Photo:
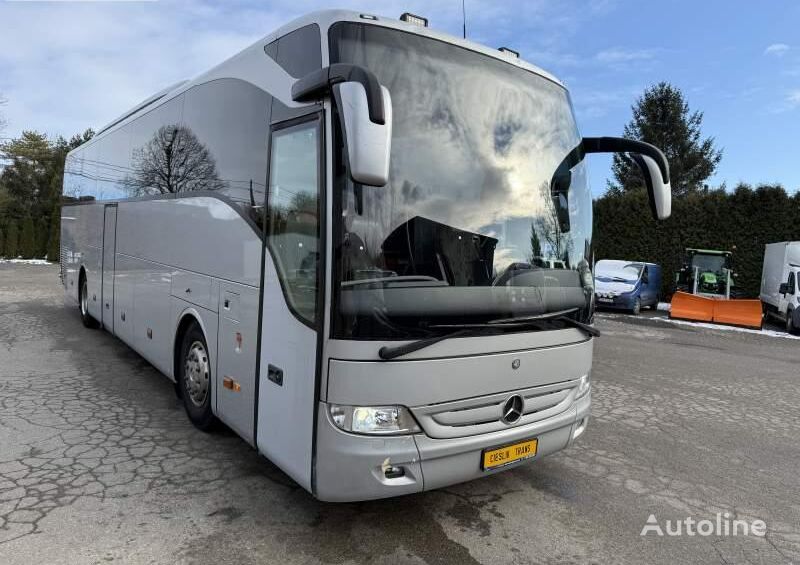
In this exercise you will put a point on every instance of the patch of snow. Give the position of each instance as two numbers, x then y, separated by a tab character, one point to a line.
26	261
768	333
663	306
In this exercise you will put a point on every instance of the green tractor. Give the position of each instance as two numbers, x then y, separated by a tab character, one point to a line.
705	291
707	272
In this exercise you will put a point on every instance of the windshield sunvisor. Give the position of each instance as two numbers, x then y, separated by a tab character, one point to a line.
456	301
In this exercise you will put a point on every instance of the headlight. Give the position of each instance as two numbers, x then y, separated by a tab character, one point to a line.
374	420
584	386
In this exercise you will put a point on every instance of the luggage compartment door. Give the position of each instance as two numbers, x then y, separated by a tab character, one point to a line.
236	357
109	256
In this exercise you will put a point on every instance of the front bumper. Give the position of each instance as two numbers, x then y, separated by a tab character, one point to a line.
350	467
619	302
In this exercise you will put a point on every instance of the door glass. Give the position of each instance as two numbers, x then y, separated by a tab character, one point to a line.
791	283
293	213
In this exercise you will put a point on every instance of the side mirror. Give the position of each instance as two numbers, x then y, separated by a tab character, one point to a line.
368	143
651	161
783	289
366	110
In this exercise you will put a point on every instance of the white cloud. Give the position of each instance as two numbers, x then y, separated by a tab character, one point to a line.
617	55
79	64
776	49
793	99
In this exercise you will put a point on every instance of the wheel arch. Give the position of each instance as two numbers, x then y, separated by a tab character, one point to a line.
182	323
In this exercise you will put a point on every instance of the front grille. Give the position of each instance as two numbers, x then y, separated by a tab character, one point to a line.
482	415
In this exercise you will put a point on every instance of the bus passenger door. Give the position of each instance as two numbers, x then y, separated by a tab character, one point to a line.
291	307
109	250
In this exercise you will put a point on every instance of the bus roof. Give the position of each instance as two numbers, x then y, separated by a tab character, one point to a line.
324	19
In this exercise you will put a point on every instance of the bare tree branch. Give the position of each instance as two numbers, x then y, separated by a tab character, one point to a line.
173	161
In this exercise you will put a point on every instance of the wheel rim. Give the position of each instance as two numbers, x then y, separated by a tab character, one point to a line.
84	298
196	373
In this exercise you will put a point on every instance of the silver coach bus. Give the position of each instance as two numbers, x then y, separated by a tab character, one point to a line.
362	244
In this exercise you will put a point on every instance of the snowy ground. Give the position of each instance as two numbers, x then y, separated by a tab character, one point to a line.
769	330
26	261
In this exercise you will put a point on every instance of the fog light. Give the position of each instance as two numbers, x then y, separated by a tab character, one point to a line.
374	420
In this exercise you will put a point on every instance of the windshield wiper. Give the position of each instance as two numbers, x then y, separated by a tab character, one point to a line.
461	330
386	353
560	316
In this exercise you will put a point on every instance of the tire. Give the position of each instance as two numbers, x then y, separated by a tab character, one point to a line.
637	307
790	328
83	304
195	378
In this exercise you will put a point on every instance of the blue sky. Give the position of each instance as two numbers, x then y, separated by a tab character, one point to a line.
65	66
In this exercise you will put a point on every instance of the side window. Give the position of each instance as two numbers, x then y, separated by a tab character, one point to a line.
791	283
293	214
298	52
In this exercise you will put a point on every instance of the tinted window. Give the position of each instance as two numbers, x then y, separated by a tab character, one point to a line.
298	52
293	211
229	122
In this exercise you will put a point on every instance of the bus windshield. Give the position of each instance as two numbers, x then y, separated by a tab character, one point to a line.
487	213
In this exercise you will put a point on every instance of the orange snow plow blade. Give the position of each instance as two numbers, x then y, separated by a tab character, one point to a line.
686	306
745	313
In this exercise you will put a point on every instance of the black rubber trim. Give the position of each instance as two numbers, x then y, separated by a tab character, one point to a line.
256	388
322	272
318	83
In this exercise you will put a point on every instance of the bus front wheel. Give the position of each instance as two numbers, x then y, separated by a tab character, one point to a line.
195	378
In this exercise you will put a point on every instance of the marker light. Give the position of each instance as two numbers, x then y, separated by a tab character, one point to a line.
509	51
584	386
374	420
412	19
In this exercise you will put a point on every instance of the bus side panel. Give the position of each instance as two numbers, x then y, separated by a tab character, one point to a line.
173	256
199	234
152	324
124	277
82	246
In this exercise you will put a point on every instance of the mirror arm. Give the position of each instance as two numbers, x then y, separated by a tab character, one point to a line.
622	145
317	83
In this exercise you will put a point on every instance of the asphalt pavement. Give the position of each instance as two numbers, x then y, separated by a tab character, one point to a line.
98	462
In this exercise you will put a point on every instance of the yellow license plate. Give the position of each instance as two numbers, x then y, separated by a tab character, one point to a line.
500	456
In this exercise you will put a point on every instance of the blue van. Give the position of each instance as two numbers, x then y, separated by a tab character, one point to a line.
627	285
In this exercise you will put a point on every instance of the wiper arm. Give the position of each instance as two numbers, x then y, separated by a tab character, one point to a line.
386	353
591	330
560	316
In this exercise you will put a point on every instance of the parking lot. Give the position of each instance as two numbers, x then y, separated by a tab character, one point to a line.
98	462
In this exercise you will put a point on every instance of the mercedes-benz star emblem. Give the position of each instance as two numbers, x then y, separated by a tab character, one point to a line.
512	409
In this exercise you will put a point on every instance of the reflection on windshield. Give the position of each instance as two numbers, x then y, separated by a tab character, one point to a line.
482	203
